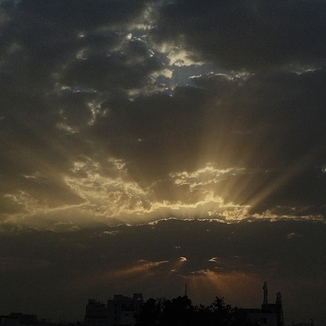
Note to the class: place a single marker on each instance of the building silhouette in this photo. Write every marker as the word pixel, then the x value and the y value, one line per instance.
pixel 270 314
pixel 120 310
pixel 96 313
pixel 18 319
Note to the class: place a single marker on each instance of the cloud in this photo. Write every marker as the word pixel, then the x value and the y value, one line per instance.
pixel 248 35
pixel 103 278
pixel 204 176
pixel 228 122
pixel 267 151
pixel 14 264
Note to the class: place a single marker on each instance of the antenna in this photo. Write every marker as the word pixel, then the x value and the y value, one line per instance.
pixel 186 292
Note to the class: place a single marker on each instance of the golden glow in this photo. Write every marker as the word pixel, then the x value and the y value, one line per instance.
pixel 206 282
pixel 109 192
pixel 197 194
pixel 178 264
pixel 141 270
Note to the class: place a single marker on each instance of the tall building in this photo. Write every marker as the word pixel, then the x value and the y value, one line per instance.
pixel 96 313
pixel 120 310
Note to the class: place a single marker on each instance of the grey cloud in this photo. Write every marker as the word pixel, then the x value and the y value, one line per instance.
pixel 85 14
pixel 113 71
pixel 40 38
pixel 247 34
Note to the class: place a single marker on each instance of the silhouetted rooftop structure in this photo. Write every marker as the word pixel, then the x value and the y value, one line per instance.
pixel 119 311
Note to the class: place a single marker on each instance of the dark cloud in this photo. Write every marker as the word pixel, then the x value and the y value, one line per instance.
pixel 156 128
pixel 42 40
pixel 269 124
pixel 247 34
pixel 127 70
pixel 85 14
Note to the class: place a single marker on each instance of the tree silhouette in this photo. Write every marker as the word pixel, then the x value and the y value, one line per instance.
pixel 178 312
pixel 181 312
pixel 151 313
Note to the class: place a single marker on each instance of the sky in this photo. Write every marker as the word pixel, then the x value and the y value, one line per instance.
pixel 151 143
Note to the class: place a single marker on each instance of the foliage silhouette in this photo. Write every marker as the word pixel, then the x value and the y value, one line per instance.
pixel 181 312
